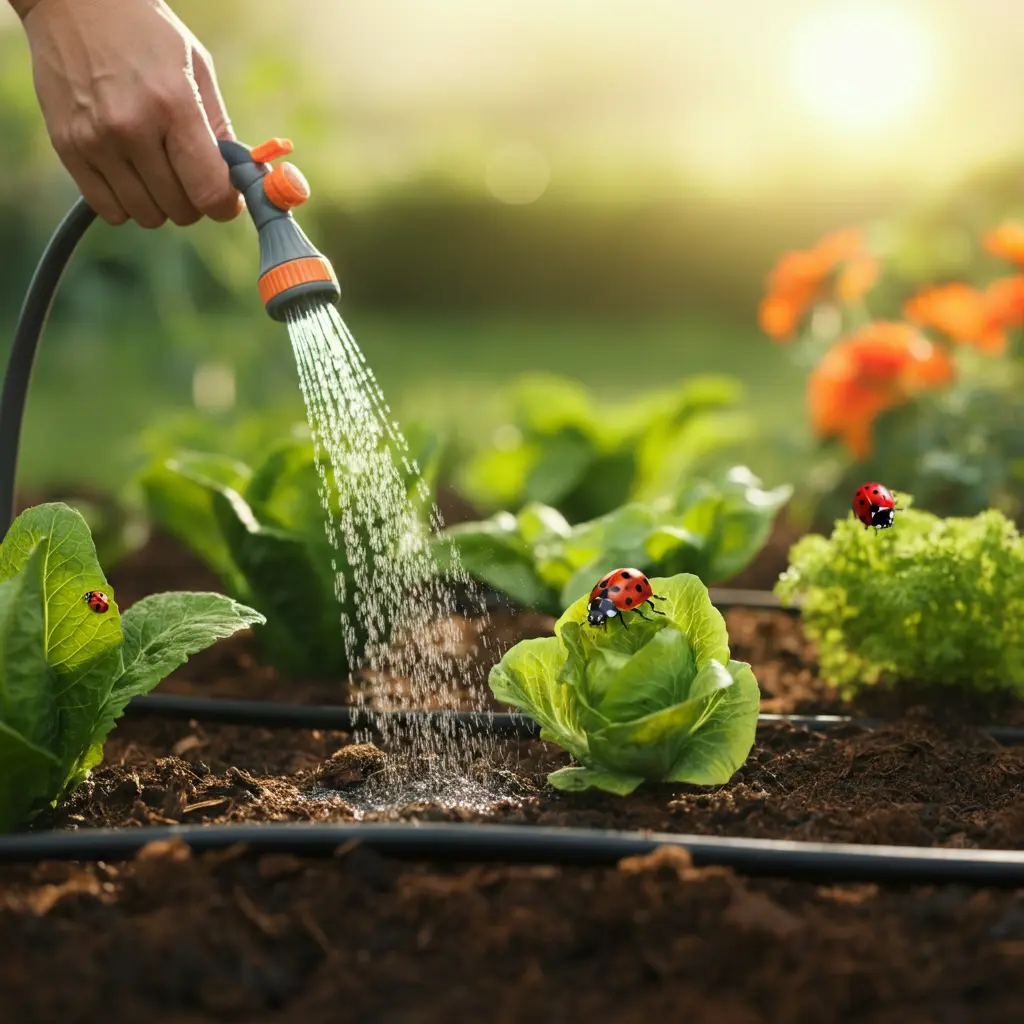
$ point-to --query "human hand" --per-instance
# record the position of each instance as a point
(132, 107)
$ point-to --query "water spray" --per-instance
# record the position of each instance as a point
(292, 273)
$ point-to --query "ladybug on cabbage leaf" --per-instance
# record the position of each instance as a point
(97, 601)
(621, 591)
(874, 505)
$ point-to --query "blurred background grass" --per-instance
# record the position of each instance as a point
(594, 189)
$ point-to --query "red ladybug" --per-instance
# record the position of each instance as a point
(97, 601)
(621, 591)
(874, 505)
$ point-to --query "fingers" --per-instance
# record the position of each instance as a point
(153, 165)
(132, 193)
(157, 162)
(94, 188)
(192, 147)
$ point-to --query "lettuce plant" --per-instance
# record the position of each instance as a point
(66, 672)
(563, 447)
(713, 529)
(933, 601)
(263, 532)
(656, 701)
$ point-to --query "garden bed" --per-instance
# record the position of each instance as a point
(182, 937)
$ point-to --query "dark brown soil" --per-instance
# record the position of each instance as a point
(222, 938)
(187, 940)
(916, 783)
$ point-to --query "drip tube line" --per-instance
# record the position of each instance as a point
(534, 844)
(344, 718)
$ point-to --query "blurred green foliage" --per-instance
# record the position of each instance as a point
(263, 532)
(711, 528)
(563, 446)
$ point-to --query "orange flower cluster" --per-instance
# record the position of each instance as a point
(971, 316)
(801, 278)
(875, 369)
(1007, 242)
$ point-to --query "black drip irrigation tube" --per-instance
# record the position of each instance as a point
(534, 844)
(345, 718)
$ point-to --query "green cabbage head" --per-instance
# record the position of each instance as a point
(656, 701)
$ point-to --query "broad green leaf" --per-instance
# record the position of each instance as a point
(577, 779)
(283, 462)
(526, 678)
(562, 462)
(29, 777)
(28, 703)
(178, 496)
(161, 633)
(734, 519)
(82, 647)
(686, 604)
(722, 743)
(303, 630)
(494, 553)
(537, 522)
(545, 404)
(656, 677)
(607, 482)
(496, 477)
(422, 462)
(648, 746)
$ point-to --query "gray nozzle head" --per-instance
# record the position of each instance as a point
(291, 267)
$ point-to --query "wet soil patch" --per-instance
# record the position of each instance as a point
(919, 782)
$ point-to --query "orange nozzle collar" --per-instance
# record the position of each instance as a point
(293, 274)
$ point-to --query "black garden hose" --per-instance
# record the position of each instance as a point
(534, 844)
(34, 314)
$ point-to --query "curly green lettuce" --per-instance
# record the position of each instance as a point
(934, 601)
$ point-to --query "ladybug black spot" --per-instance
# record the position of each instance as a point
(639, 588)
(874, 490)
(626, 575)
(863, 501)
(629, 600)
(616, 589)
(604, 593)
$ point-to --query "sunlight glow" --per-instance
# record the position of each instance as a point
(862, 69)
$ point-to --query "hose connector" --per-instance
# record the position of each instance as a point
(291, 267)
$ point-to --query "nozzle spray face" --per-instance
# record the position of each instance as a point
(291, 267)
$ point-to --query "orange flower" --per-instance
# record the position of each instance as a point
(800, 278)
(1007, 241)
(962, 313)
(1005, 298)
(856, 279)
(877, 368)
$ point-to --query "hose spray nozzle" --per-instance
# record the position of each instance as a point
(291, 267)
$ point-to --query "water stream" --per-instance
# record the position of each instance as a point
(379, 518)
